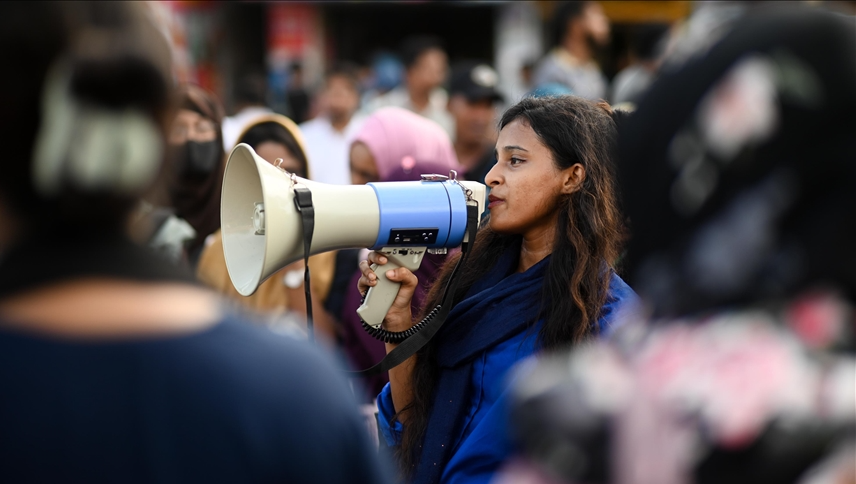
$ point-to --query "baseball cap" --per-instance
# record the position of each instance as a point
(475, 81)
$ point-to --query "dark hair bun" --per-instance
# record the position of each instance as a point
(110, 57)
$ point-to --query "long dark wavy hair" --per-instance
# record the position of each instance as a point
(588, 237)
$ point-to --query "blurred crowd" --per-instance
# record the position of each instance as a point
(735, 176)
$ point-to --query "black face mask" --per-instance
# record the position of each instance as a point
(194, 159)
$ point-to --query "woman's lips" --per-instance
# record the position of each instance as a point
(493, 201)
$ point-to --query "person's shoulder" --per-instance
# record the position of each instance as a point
(618, 289)
(621, 302)
(283, 394)
(245, 366)
(250, 355)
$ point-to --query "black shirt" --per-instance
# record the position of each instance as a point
(233, 403)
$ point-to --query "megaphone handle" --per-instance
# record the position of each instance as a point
(379, 298)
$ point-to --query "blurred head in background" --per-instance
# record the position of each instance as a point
(425, 63)
(250, 91)
(340, 96)
(85, 116)
(196, 162)
(276, 137)
(394, 138)
(580, 23)
(472, 97)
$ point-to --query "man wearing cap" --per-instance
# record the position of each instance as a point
(472, 99)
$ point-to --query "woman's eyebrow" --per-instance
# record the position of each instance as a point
(514, 147)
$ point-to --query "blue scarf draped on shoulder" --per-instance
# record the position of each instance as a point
(498, 306)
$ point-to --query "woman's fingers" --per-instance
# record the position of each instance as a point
(408, 286)
(369, 278)
(377, 258)
(399, 317)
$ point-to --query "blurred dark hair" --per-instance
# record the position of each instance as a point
(779, 214)
(197, 99)
(646, 40)
(117, 59)
(251, 89)
(563, 15)
(413, 47)
(345, 70)
(275, 132)
(588, 238)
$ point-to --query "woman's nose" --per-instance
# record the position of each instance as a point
(492, 178)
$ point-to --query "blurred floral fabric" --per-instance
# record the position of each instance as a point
(753, 395)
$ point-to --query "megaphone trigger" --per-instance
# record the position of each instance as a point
(380, 297)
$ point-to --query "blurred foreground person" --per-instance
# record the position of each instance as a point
(281, 297)
(740, 191)
(115, 367)
(540, 279)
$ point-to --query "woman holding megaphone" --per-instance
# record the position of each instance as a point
(540, 278)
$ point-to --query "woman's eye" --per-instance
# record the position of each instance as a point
(515, 161)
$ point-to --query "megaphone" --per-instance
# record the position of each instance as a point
(263, 232)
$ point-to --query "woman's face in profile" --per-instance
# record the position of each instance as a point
(525, 183)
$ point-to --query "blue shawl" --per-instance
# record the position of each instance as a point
(498, 306)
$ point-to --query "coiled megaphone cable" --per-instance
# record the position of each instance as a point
(413, 339)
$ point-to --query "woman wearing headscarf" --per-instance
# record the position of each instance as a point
(394, 144)
(115, 366)
(540, 277)
(275, 137)
(197, 164)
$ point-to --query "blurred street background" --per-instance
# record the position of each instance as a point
(292, 43)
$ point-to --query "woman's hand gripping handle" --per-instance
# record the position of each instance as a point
(388, 284)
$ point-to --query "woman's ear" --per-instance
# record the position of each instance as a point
(572, 178)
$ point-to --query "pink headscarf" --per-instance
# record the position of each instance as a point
(398, 138)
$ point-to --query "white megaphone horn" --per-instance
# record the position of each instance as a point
(262, 228)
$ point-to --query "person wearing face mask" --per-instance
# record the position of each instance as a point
(281, 297)
(196, 173)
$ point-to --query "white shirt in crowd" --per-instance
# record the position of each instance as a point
(233, 126)
(329, 150)
(436, 110)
